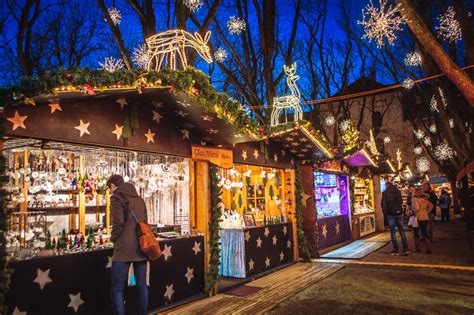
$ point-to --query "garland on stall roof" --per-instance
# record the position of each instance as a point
(212, 277)
(302, 242)
(4, 271)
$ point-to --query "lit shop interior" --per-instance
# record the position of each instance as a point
(363, 206)
(57, 194)
(331, 194)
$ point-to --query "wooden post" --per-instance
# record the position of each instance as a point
(107, 210)
(97, 207)
(192, 197)
(82, 201)
(203, 205)
(291, 174)
(379, 225)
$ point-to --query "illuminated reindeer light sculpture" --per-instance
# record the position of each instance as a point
(173, 43)
(288, 101)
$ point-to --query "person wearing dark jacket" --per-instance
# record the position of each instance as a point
(434, 201)
(392, 207)
(126, 244)
(444, 204)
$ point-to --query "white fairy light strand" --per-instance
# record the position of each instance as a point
(141, 56)
(193, 5)
(449, 28)
(236, 25)
(220, 54)
(381, 23)
(423, 164)
(111, 64)
(408, 83)
(443, 152)
(414, 59)
(115, 15)
(330, 120)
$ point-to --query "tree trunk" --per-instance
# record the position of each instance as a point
(459, 78)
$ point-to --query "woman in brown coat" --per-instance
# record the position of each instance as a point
(421, 207)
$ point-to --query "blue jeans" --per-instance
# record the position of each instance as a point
(396, 221)
(119, 283)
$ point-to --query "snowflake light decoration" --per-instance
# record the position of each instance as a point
(236, 25)
(220, 54)
(141, 56)
(434, 104)
(427, 141)
(449, 28)
(330, 120)
(383, 22)
(408, 83)
(115, 15)
(413, 59)
(387, 140)
(111, 64)
(443, 98)
(344, 125)
(443, 152)
(423, 164)
(433, 128)
(418, 150)
(451, 123)
(419, 134)
(193, 5)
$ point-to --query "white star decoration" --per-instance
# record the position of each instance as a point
(42, 278)
(167, 252)
(338, 228)
(181, 113)
(83, 127)
(244, 155)
(251, 263)
(196, 248)
(185, 134)
(122, 101)
(157, 117)
(247, 236)
(118, 131)
(282, 256)
(267, 262)
(325, 231)
(157, 104)
(109, 262)
(206, 117)
(274, 239)
(288, 244)
(184, 104)
(255, 154)
(169, 292)
(76, 301)
(189, 275)
(259, 242)
(285, 230)
(267, 231)
(150, 136)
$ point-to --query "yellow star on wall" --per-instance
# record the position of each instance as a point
(17, 121)
(305, 198)
(325, 231)
(149, 136)
(83, 128)
(338, 228)
(118, 131)
(55, 107)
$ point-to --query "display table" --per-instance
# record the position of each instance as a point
(178, 274)
(363, 224)
(249, 251)
(333, 230)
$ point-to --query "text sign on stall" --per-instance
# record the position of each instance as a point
(220, 157)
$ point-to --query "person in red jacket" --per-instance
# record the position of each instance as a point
(392, 207)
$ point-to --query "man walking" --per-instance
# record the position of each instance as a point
(434, 201)
(126, 244)
(392, 208)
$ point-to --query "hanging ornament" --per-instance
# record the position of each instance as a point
(408, 83)
(434, 104)
(419, 134)
(414, 59)
(236, 25)
(427, 141)
(381, 23)
(443, 152)
(423, 164)
(433, 128)
(141, 56)
(193, 5)
(134, 165)
(449, 28)
(220, 54)
(330, 120)
(443, 98)
(386, 140)
(345, 125)
(111, 64)
(418, 150)
(115, 15)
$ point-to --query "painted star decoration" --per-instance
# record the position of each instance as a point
(325, 231)
(285, 230)
(206, 118)
(169, 292)
(18, 121)
(76, 301)
(267, 232)
(255, 154)
(189, 275)
(156, 117)
(118, 131)
(184, 104)
(267, 262)
(122, 101)
(167, 252)
(244, 155)
(83, 128)
(150, 136)
(55, 107)
(109, 262)
(196, 248)
(212, 131)
(259, 242)
(247, 236)
(188, 126)
(185, 133)
(42, 278)
(251, 263)
(305, 197)
(17, 311)
(181, 113)
(288, 244)
(274, 239)
(282, 256)
(157, 104)
(338, 228)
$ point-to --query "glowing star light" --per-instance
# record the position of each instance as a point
(433, 128)
(419, 134)
(380, 23)
(236, 25)
(193, 5)
(111, 64)
(141, 56)
(449, 28)
(423, 164)
(330, 120)
(408, 83)
(220, 54)
(418, 150)
(115, 15)
(387, 140)
(413, 59)
(443, 152)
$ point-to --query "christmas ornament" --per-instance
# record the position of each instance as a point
(423, 164)
(141, 56)
(115, 15)
(414, 59)
(418, 150)
(433, 128)
(443, 152)
(419, 134)
(329, 120)
(381, 23)
(111, 64)
(434, 104)
(236, 25)
(193, 6)
(220, 54)
(408, 83)
(386, 140)
(427, 141)
(449, 28)
(345, 125)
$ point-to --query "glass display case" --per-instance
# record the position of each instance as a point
(363, 202)
(330, 190)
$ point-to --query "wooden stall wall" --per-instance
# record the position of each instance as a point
(309, 211)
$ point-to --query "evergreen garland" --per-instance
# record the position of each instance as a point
(302, 242)
(212, 277)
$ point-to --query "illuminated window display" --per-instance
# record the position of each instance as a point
(331, 194)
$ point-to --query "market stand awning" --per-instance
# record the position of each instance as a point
(360, 158)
